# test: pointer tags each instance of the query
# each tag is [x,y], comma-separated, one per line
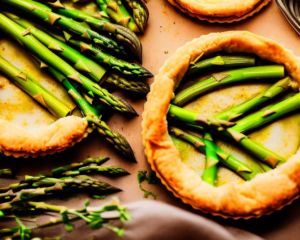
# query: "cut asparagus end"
[140,13]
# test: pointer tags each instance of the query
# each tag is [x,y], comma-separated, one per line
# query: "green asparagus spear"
[241,109]
[44,13]
[92,115]
[95,161]
[54,105]
[118,13]
[51,185]
[225,158]
[20,34]
[220,61]
[128,85]
[103,13]
[111,170]
[228,77]
[140,13]
[6,173]
[259,118]
[122,34]
[254,148]
[210,173]
[55,42]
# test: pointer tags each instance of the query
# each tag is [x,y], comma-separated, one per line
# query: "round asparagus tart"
[227,141]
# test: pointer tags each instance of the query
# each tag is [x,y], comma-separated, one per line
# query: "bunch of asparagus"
[222,124]
[78,54]
[16,197]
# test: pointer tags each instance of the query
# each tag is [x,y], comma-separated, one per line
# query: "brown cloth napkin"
[153,220]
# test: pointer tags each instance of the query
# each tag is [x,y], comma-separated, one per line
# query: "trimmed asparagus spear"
[259,118]
[111,170]
[43,13]
[225,158]
[220,61]
[210,173]
[118,13]
[241,109]
[54,105]
[92,115]
[19,33]
[254,148]
[228,77]
[140,13]
[122,34]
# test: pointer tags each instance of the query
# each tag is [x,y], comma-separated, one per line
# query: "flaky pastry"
[56,137]
[224,19]
[262,195]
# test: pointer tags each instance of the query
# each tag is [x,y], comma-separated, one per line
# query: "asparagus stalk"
[6,173]
[43,13]
[19,33]
[228,77]
[254,148]
[54,105]
[259,118]
[225,158]
[180,114]
[121,33]
[103,13]
[55,42]
[81,182]
[94,161]
[128,85]
[92,115]
[118,13]
[93,217]
[241,109]
[140,13]
[220,61]
[111,170]
[210,173]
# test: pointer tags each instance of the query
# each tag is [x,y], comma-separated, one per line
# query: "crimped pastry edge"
[264,194]
[230,19]
[56,137]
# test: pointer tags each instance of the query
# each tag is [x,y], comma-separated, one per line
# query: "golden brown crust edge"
[229,19]
[221,8]
[56,137]
[262,195]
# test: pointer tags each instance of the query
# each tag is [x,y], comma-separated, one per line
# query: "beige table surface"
[167,30]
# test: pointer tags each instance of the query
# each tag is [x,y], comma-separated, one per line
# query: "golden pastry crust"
[219,8]
[266,192]
[56,137]
[228,19]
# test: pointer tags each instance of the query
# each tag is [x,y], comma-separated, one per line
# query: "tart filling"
[265,193]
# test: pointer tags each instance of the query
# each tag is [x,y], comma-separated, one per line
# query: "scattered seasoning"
[166,52]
